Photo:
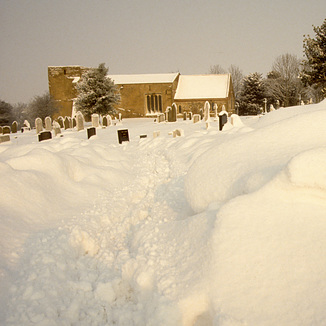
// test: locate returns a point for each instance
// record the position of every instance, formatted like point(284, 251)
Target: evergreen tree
point(314, 66)
point(96, 92)
point(252, 94)
point(5, 113)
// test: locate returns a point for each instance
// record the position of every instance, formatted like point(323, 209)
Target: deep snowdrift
point(213, 228)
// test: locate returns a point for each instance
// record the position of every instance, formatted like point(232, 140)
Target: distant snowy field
point(211, 228)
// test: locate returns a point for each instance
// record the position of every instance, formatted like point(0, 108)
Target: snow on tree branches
point(97, 93)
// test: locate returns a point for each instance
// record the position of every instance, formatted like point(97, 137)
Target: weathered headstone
point(48, 123)
point(44, 135)
point(168, 114)
point(184, 115)
point(70, 122)
point(79, 121)
point(201, 114)
point(156, 134)
point(142, 136)
point(61, 122)
point(91, 131)
point(207, 108)
point(174, 113)
point(190, 115)
point(160, 117)
point(105, 121)
point(14, 127)
point(95, 120)
point(196, 118)
point(223, 119)
point(120, 117)
point(38, 125)
point(66, 123)
point(56, 127)
point(4, 138)
point(179, 132)
point(215, 111)
point(27, 124)
point(6, 130)
point(123, 135)
point(271, 108)
point(109, 120)
point(74, 122)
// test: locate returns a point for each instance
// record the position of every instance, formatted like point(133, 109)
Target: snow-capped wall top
point(144, 78)
point(202, 87)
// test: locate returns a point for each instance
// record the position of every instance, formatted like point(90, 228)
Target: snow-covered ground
point(211, 228)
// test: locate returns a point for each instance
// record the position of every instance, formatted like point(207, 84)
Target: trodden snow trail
point(116, 263)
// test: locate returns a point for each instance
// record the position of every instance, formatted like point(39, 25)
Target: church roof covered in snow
point(192, 87)
point(144, 78)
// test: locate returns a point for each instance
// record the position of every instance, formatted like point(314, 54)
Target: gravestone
point(27, 124)
point(61, 122)
point(66, 123)
point(201, 114)
point(271, 108)
point(44, 135)
point(91, 131)
point(70, 122)
point(184, 115)
point(4, 138)
point(95, 120)
point(156, 134)
point(79, 121)
point(105, 121)
point(168, 114)
point(174, 113)
point(190, 115)
point(14, 127)
point(196, 118)
point(215, 111)
point(6, 130)
point(207, 108)
point(73, 122)
point(179, 132)
point(109, 120)
point(56, 127)
point(48, 123)
point(0, 130)
point(120, 117)
point(142, 136)
point(38, 125)
point(160, 117)
point(123, 135)
point(223, 119)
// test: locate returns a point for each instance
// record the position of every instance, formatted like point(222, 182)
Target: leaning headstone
point(105, 121)
point(4, 138)
point(14, 127)
point(48, 123)
point(179, 132)
point(61, 122)
point(95, 120)
point(56, 127)
point(184, 115)
point(223, 119)
point(66, 123)
point(123, 135)
point(174, 113)
point(196, 118)
point(44, 135)
point(91, 131)
point(73, 122)
point(79, 121)
point(0, 130)
point(207, 108)
point(6, 130)
point(38, 125)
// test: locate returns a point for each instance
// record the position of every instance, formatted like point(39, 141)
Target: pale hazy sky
point(146, 36)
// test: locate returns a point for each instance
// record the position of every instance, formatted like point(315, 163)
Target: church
point(146, 95)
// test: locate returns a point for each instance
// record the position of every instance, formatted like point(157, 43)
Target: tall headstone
point(184, 115)
point(207, 108)
point(14, 127)
point(56, 127)
point(174, 113)
point(74, 123)
point(66, 123)
point(223, 119)
point(48, 123)
point(190, 115)
point(60, 121)
point(215, 111)
point(38, 125)
point(109, 120)
point(79, 121)
point(201, 114)
point(120, 117)
point(70, 122)
point(95, 120)
point(105, 121)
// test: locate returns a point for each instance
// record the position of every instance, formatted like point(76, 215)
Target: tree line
point(289, 82)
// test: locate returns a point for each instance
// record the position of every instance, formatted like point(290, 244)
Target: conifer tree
point(314, 66)
point(5, 113)
point(96, 92)
point(252, 94)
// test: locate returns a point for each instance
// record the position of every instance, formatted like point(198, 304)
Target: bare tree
point(237, 77)
point(217, 69)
